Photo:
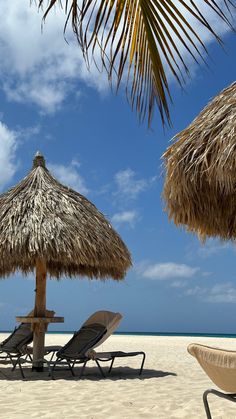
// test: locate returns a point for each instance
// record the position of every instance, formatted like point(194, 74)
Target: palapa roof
point(41, 218)
point(200, 184)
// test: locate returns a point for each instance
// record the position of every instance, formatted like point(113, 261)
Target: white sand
point(171, 385)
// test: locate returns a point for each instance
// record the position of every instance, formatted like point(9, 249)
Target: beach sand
point(171, 385)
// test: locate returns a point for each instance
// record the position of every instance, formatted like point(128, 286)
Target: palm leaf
point(139, 39)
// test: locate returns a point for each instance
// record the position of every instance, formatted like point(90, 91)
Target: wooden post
point(39, 311)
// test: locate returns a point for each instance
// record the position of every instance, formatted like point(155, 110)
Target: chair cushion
point(21, 336)
point(82, 340)
point(108, 319)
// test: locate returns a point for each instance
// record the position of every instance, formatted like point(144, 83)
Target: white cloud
point(125, 217)
point(219, 293)
point(26, 133)
point(179, 284)
point(69, 176)
point(127, 186)
point(213, 247)
point(40, 67)
point(169, 270)
point(222, 293)
point(48, 96)
point(8, 145)
point(195, 291)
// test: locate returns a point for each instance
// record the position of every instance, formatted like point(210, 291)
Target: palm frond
point(139, 40)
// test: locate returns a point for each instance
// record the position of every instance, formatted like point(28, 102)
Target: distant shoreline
point(166, 334)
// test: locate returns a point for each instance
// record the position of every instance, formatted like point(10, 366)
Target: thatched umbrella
point(200, 184)
point(50, 228)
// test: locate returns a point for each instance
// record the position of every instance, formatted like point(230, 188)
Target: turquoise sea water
point(208, 335)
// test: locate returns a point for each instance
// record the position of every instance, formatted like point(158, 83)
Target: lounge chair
point(14, 347)
point(220, 366)
point(80, 348)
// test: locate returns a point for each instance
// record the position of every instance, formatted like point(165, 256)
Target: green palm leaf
point(139, 39)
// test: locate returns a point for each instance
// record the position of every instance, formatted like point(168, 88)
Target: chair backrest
point(218, 364)
point(108, 319)
point(21, 336)
point(92, 333)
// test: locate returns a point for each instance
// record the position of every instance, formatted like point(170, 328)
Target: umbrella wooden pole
point(39, 311)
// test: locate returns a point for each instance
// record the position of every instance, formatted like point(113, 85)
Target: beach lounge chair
point(14, 347)
point(220, 366)
point(80, 348)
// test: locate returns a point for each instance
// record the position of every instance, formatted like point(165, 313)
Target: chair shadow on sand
point(92, 373)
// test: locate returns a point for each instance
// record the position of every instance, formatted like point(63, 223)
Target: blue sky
point(92, 141)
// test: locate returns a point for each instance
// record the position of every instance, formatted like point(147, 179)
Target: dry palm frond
point(200, 185)
point(40, 218)
point(142, 35)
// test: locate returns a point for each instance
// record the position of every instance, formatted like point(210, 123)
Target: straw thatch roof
point(40, 218)
point(200, 185)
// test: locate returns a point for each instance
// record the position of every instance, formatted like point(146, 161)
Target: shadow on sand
point(91, 373)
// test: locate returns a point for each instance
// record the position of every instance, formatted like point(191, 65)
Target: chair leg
point(230, 397)
point(52, 356)
point(21, 369)
point(206, 405)
point(100, 368)
point(52, 366)
point(15, 362)
point(112, 362)
point(52, 371)
point(71, 368)
point(82, 369)
point(143, 360)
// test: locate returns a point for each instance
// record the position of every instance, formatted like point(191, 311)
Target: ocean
point(207, 335)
